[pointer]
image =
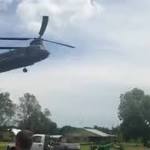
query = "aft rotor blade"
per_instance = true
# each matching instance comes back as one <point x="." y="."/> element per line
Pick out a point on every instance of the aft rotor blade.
<point x="12" y="47"/>
<point x="43" y="26"/>
<point x="62" y="44"/>
<point x="14" y="38"/>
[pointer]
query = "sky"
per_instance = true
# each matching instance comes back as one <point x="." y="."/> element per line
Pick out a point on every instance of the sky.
<point x="81" y="87"/>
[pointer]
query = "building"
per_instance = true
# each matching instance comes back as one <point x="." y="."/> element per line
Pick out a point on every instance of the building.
<point x="88" y="135"/>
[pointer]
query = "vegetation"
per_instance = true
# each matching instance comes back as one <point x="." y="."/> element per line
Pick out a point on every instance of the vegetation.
<point x="7" y="109"/>
<point x="134" y="113"/>
<point x="27" y="114"/>
<point x="3" y="146"/>
<point x="31" y="116"/>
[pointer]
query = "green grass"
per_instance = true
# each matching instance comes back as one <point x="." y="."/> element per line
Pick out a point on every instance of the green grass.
<point x="127" y="146"/>
<point x="85" y="147"/>
<point x="3" y="145"/>
<point x="132" y="146"/>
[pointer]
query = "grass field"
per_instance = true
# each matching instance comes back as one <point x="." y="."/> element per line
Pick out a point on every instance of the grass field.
<point x="85" y="147"/>
<point x="126" y="146"/>
<point x="133" y="146"/>
<point x="3" y="146"/>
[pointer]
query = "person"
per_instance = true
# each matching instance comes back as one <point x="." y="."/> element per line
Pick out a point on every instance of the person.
<point x="23" y="141"/>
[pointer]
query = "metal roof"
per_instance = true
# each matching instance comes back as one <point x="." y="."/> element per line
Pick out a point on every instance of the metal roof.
<point x="98" y="133"/>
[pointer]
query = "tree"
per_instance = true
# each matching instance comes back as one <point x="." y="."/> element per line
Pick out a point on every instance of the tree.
<point x="28" y="105"/>
<point x="31" y="116"/>
<point x="135" y="114"/>
<point x="7" y="109"/>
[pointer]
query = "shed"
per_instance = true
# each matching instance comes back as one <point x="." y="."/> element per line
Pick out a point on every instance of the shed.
<point x="87" y="135"/>
<point x="99" y="136"/>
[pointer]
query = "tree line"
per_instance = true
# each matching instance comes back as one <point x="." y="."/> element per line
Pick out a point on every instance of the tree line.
<point x="27" y="114"/>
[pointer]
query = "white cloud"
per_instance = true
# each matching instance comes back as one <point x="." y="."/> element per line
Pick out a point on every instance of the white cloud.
<point x="4" y="4"/>
<point x="62" y="14"/>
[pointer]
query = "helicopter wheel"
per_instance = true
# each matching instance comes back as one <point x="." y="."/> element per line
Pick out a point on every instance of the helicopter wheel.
<point x="25" y="70"/>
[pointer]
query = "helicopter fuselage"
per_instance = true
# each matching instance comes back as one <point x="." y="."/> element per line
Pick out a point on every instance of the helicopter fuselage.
<point x="18" y="57"/>
<point x="23" y="57"/>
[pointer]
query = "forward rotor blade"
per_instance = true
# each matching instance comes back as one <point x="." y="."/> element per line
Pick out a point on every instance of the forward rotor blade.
<point x="14" y="38"/>
<point x="43" y="26"/>
<point x="62" y="44"/>
<point x="12" y="47"/>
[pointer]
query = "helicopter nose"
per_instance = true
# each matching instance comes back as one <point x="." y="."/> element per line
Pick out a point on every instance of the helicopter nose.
<point x="45" y="53"/>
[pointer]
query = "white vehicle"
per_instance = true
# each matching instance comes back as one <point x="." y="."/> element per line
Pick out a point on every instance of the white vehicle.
<point x="44" y="142"/>
<point x="52" y="142"/>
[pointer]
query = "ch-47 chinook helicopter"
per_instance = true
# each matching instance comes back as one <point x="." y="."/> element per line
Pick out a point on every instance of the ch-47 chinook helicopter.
<point x="19" y="57"/>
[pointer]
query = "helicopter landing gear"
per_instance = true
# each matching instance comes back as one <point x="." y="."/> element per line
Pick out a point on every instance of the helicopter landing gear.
<point x="25" y="70"/>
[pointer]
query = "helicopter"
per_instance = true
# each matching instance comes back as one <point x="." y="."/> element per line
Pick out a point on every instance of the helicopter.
<point x="21" y="57"/>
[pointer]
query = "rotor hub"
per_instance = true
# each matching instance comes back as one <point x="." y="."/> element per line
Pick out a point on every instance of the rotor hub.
<point x="36" y="41"/>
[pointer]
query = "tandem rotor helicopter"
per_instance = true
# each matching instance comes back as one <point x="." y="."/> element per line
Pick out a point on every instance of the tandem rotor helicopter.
<point x="19" y="57"/>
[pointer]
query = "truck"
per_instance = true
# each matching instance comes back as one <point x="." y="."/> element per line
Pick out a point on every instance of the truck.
<point x="44" y="142"/>
<point x="52" y="142"/>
